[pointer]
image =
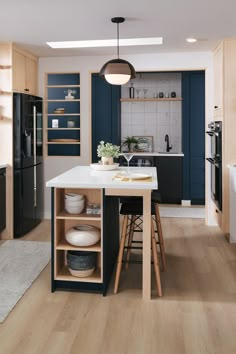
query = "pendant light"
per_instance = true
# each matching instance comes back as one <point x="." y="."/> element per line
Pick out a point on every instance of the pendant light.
<point x="117" y="71"/>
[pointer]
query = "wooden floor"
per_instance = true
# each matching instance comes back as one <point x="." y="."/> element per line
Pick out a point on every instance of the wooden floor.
<point x="197" y="313"/>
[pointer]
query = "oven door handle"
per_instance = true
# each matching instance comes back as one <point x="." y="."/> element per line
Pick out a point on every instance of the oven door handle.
<point x="211" y="160"/>
<point x="211" y="133"/>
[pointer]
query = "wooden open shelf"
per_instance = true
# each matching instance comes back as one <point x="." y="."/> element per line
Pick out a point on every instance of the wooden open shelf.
<point x="63" y="114"/>
<point x="64" y="245"/>
<point x="60" y="100"/>
<point x="61" y="86"/>
<point x="63" y="128"/>
<point x="82" y="216"/>
<point x="150" y="99"/>
<point x="64" y="221"/>
<point x="56" y="88"/>
<point x="64" y="274"/>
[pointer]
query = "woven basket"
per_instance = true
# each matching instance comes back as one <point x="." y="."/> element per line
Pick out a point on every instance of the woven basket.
<point x="81" y="260"/>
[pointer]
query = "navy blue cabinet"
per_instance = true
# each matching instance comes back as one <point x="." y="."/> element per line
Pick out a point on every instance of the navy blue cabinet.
<point x="105" y="113"/>
<point x="193" y="136"/>
<point x="169" y="174"/>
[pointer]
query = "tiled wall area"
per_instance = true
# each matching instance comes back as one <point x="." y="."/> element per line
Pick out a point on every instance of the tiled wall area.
<point x="154" y="118"/>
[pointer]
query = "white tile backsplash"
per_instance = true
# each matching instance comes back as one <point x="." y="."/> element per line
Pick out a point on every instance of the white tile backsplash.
<point x="154" y="118"/>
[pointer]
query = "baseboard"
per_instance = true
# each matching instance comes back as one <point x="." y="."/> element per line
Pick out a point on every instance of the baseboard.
<point x="186" y="202"/>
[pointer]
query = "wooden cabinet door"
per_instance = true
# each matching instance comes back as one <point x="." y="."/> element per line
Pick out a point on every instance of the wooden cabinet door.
<point x="24" y="73"/>
<point x="18" y="71"/>
<point x="218" y="81"/>
<point x="31" y="75"/>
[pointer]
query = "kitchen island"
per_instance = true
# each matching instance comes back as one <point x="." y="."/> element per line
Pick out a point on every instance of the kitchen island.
<point x="99" y="187"/>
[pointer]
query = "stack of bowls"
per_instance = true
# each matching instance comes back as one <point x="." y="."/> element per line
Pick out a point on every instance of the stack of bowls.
<point x="74" y="203"/>
<point x="81" y="263"/>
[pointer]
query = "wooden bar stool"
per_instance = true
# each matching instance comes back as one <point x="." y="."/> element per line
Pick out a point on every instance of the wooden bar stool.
<point x="132" y="209"/>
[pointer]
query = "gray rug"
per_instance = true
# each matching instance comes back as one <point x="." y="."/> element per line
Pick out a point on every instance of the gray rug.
<point x="20" y="264"/>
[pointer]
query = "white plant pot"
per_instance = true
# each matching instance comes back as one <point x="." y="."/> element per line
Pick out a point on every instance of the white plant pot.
<point x="107" y="160"/>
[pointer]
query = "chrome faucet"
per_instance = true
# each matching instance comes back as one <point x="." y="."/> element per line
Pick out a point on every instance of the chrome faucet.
<point x="168" y="146"/>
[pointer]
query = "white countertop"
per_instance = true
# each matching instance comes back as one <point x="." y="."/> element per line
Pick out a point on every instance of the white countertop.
<point x="177" y="154"/>
<point x="3" y="165"/>
<point x="86" y="177"/>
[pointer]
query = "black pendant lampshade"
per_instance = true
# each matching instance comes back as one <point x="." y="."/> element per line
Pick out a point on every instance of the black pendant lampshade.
<point x="117" y="71"/>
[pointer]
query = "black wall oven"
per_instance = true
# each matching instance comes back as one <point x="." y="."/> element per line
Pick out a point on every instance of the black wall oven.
<point x="215" y="133"/>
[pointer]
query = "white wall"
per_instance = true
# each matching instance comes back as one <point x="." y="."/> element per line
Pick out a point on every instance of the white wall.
<point x="141" y="62"/>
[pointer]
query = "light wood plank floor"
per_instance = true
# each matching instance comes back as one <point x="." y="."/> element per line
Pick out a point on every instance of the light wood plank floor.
<point x="197" y="313"/>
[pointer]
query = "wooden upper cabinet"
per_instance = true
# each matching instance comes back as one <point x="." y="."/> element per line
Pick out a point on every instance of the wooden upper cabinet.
<point x="25" y="71"/>
<point x="218" y="81"/>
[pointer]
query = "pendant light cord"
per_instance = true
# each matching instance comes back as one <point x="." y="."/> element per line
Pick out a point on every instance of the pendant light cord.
<point x="118" y="51"/>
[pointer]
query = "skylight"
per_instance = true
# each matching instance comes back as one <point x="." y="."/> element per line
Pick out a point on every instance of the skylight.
<point x="106" y="43"/>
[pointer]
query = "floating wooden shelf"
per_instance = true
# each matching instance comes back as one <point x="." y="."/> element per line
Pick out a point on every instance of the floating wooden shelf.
<point x="58" y="86"/>
<point x="63" y="128"/>
<point x="150" y="99"/>
<point x="62" y="142"/>
<point x="63" y="114"/>
<point x="64" y="100"/>
<point x="3" y="67"/>
<point x="3" y="92"/>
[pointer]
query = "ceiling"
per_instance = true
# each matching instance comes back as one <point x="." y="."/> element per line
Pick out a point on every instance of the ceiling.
<point x="32" y="23"/>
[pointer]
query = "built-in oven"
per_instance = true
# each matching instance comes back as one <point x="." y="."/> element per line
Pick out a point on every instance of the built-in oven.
<point x="215" y="133"/>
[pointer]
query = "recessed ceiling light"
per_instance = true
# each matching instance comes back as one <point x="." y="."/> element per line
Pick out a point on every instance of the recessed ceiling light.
<point x="106" y="43"/>
<point x="191" y="40"/>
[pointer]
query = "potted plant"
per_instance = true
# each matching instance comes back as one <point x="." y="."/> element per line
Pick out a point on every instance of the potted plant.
<point x="130" y="142"/>
<point x="107" y="152"/>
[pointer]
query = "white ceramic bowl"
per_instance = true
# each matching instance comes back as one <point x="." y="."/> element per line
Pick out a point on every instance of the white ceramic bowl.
<point x="74" y="210"/>
<point x="81" y="273"/>
<point x="75" y="203"/>
<point x="75" y="207"/>
<point x="83" y="235"/>
<point x="73" y="196"/>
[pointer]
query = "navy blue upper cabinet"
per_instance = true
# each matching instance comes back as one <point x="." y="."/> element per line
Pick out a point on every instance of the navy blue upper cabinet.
<point x="193" y="129"/>
<point x="105" y="113"/>
<point x="62" y="106"/>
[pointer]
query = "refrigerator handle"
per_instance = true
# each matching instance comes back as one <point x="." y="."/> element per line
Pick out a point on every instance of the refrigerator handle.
<point x="34" y="132"/>
<point x="35" y="187"/>
<point x="34" y="152"/>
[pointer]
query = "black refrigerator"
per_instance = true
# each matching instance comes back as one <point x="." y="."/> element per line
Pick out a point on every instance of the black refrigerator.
<point x="28" y="162"/>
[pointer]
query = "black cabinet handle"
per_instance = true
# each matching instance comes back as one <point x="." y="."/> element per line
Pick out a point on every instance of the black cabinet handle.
<point x="27" y="90"/>
<point x="215" y="107"/>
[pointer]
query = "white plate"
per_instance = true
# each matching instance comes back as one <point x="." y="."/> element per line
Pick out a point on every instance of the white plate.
<point x="100" y="167"/>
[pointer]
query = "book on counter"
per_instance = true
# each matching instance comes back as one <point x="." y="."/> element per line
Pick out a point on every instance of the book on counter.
<point x="93" y="208"/>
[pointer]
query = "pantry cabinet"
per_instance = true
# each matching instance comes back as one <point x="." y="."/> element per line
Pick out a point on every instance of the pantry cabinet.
<point x="225" y="91"/>
<point x="25" y="69"/>
<point x="218" y="81"/>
